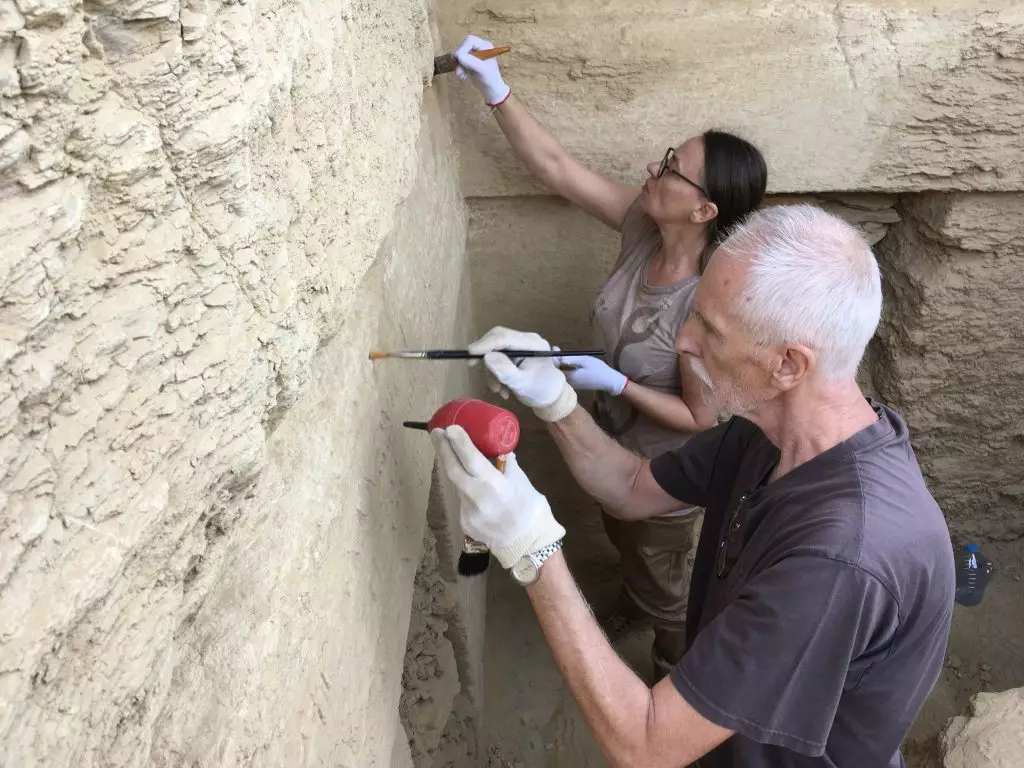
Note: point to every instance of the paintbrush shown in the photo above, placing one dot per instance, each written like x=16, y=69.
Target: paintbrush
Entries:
x=461, y=354
x=448, y=63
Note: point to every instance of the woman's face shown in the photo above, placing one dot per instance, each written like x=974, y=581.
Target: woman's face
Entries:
x=671, y=198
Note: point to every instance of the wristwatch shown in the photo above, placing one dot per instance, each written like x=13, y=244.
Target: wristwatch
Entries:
x=527, y=568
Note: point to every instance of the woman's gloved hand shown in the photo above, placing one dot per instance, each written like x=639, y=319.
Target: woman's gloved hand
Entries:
x=592, y=373
x=486, y=75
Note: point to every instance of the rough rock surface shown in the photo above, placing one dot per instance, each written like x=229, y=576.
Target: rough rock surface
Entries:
x=862, y=95
x=948, y=352
x=991, y=735
x=555, y=258
x=430, y=680
x=210, y=514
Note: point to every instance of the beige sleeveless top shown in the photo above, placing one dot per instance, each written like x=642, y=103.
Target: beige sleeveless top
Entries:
x=636, y=324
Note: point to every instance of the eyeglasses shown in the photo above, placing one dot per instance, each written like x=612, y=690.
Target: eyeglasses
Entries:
x=669, y=154
x=731, y=544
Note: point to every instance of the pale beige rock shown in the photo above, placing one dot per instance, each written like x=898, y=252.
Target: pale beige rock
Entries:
x=991, y=735
x=855, y=95
x=948, y=352
x=211, y=516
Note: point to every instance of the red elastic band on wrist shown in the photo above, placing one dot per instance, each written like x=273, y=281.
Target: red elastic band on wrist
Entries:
x=495, y=106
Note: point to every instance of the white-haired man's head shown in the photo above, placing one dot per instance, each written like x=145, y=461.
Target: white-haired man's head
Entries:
x=793, y=295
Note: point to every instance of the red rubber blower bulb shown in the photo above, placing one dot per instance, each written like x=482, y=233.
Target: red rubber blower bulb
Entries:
x=493, y=430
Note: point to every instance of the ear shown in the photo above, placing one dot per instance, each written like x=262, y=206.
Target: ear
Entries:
x=793, y=366
x=704, y=213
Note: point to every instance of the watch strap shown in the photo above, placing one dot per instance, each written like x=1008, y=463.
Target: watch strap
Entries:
x=541, y=555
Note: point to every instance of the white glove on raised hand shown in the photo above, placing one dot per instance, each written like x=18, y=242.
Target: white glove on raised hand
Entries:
x=485, y=74
x=591, y=373
x=502, y=510
x=535, y=382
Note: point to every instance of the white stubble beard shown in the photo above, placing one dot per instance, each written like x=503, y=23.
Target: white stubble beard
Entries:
x=726, y=399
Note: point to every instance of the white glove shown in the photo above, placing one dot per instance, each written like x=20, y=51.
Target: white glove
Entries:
x=485, y=74
x=503, y=511
x=535, y=382
x=591, y=373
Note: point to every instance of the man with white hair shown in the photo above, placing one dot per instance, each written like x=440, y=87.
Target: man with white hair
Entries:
x=822, y=591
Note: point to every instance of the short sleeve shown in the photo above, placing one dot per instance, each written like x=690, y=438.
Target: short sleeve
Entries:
x=688, y=472
x=640, y=235
x=773, y=665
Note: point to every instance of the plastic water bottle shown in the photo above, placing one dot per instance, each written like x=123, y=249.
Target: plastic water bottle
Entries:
x=972, y=574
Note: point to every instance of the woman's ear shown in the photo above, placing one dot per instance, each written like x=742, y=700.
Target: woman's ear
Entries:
x=704, y=213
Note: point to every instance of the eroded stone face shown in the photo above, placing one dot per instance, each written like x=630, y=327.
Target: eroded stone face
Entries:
x=948, y=352
x=841, y=96
x=990, y=735
x=210, y=514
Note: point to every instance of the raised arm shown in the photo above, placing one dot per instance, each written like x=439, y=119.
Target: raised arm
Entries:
x=539, y=151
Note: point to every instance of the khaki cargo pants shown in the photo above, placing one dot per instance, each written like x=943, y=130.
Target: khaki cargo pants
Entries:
x=657, y=558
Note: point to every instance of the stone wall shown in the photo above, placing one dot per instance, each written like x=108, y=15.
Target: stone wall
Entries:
x=948, y=352
x=211, y=516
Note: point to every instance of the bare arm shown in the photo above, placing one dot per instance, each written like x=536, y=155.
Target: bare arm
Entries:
x=634, y=725
x=697, y=396
x=619, y=480
x=548, y=160
x=690, y=412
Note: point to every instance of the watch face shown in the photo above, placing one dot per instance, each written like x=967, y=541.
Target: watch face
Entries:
x=525, y=571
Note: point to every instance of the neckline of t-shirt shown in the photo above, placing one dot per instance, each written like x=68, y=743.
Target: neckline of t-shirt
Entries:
x=671, y=287
x=881, y=430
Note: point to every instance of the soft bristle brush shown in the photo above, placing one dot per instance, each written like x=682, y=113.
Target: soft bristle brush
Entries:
x=461, y=354
x=447, y=62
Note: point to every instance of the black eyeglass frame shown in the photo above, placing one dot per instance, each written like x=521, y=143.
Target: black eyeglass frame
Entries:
x=669, y=154
x=730, y=545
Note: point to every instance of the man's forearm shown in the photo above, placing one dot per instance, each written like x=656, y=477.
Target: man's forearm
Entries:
x=634, y=725
x=602, y=467
x=613, y=699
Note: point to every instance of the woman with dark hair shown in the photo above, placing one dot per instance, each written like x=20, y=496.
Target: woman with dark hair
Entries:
x=646, y=398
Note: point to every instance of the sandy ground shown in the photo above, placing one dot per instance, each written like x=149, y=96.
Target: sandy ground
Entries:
x=530, y=719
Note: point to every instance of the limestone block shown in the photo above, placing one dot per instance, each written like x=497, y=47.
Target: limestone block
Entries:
x=948, y=351
x=991, y=735
x=430, y=680
x=856, y=95
x=538, y=262
x=210, y=515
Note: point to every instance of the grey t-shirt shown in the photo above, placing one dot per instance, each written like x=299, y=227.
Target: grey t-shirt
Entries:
x=820, y=603
x=636, y=323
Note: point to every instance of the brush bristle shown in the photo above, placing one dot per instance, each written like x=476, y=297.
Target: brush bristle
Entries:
x=473, y=563
x=378, y=355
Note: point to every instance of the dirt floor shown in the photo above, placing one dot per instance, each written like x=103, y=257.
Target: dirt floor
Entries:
x=530, y=719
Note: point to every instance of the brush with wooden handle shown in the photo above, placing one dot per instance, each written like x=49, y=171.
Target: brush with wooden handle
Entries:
x=448, y=63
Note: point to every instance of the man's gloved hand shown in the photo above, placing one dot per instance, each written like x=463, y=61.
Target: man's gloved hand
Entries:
x=485, y=74
x=591, y=373
x=502, y=510
x=535, y=382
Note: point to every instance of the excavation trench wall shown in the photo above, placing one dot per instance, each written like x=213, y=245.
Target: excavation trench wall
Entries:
x=211, y=516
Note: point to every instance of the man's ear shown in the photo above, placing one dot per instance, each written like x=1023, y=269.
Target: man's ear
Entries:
x=793, y=366
x=704, y=212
